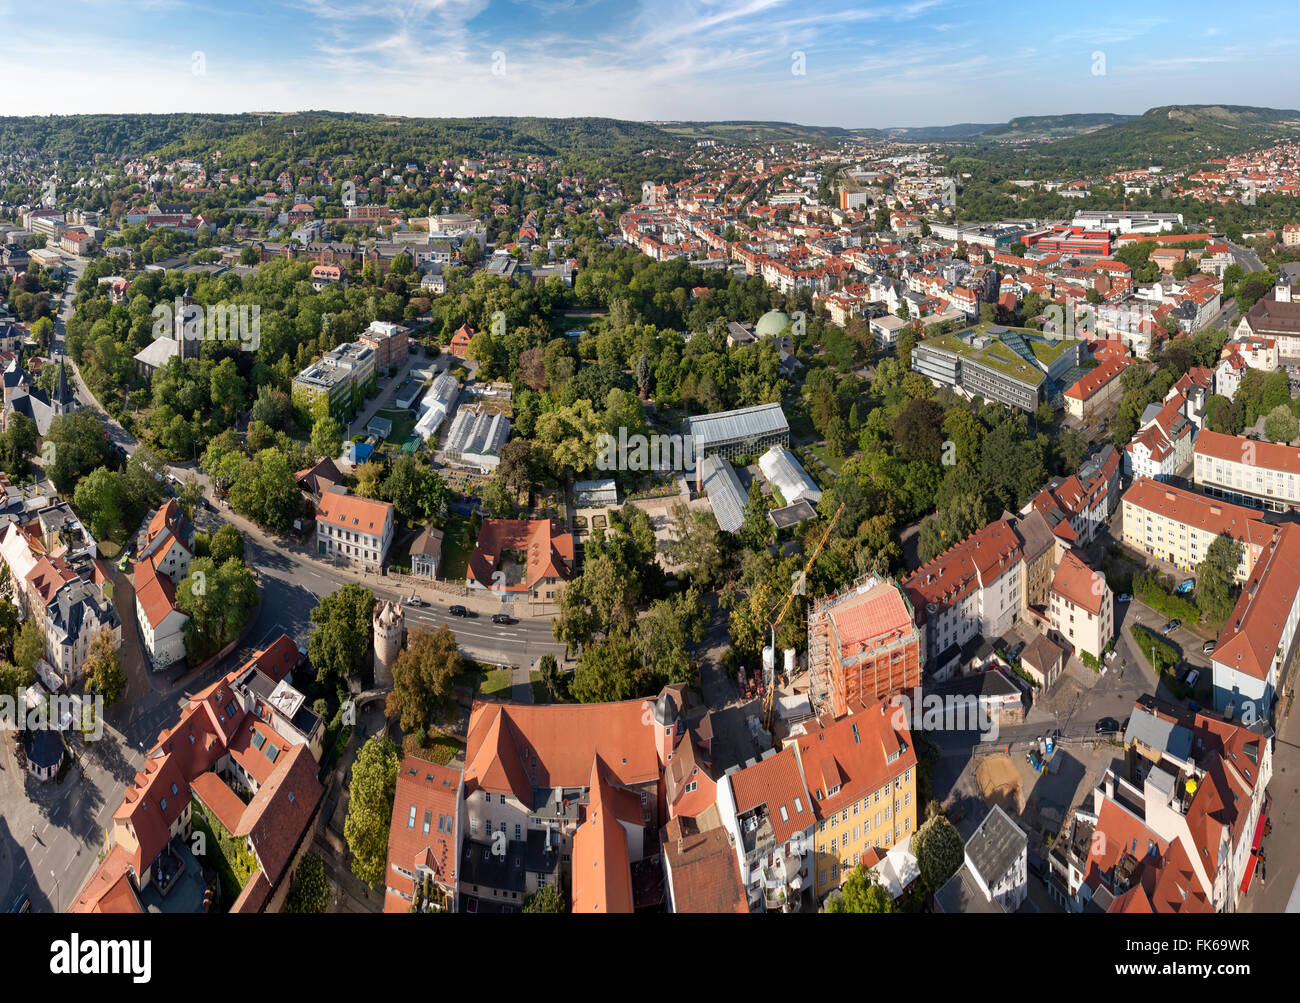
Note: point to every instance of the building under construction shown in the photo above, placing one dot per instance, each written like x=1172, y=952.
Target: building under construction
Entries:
x=863, y=644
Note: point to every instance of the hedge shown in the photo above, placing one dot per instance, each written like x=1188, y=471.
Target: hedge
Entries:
x=1160, y=654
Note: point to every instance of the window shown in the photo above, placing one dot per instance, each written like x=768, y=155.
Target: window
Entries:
x=410, y=819
x=518, y=832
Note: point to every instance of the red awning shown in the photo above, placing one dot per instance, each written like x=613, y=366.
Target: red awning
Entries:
x=1259, y=831
x=1250, y=873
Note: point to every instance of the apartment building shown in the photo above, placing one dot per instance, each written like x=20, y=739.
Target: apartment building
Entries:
x=1263, y=474
x=1178, y=526
x=353, y=529
x=768, y=815
x=423, y=854
x=342, y=376
x=974, y=587
x=224, y=758
x=1164, y=443
x=1079, y=506
x=1257, y=639
x=62, y=592
x=561, y=784
x=863, y=644
x=163, y=558
x=860, y=768
x=1175, y=828
x=389, y=342
x=1096, y=390
x=1081, y=606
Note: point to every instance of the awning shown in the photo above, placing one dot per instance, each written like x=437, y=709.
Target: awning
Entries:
x=1259, y=830
x=1250, y=872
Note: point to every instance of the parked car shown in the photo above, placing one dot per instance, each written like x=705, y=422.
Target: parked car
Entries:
x=504, y=618
x=414, y=601
x=1193, y=706
x=1185, y=586
x=458, y=611
x=1107, y=725
x=1125, y=598
x=1189, y=676
x=1171, y=626
x=1208, y=647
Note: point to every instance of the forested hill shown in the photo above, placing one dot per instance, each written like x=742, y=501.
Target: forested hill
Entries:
x=323, y=136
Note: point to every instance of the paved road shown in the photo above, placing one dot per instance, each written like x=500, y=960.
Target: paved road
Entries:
x=1245, y=257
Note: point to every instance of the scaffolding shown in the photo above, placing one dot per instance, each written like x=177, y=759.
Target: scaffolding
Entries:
x=842, y=672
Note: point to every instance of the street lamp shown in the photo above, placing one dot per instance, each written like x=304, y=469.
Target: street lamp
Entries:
x=56, y=889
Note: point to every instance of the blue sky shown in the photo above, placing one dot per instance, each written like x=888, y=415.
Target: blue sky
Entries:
x=914, y=62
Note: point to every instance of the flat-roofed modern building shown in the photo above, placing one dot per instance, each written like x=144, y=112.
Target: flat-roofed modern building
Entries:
x=1009, y=365
x=342, y=375
x=742, y=432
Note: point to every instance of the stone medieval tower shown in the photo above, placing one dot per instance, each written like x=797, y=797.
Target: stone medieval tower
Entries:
x=389, y=628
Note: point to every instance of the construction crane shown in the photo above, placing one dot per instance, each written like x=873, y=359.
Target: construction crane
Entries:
x=796, y=588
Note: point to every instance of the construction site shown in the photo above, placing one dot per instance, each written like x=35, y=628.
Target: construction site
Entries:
x=863, y=644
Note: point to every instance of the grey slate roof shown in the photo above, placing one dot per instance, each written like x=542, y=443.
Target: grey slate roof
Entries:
x=995, y=846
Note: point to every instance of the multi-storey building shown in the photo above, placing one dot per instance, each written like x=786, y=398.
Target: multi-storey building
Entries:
x=356, y=530
x=342, y=376
x=1176, y=826
x=972, y=588
x=1178, y=526
x=388, y=341
x=1082, y=607
x=768, y=815
x=424, y=838
x=1263, y=474
x=1257, y=640
x=863, y=644
x=860, y=769
x=1017, y=368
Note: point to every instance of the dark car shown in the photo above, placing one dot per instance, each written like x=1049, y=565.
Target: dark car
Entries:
x=458, y=611
x=1107, y=724
x=504, y=618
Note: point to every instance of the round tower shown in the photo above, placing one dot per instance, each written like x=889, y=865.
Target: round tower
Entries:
x=389, y=626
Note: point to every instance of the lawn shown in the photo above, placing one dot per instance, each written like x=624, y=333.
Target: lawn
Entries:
x=455, y=556
x=227, y=855
x=823, y=453
x=540, y=693
x=486, y=679
x=497, y=683
x=402, y=421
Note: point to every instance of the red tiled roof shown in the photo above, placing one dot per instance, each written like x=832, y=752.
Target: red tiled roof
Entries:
x=353, y=513
x=505, y=738
x=775, y=782
x=704, y=873
x=434, y=793
x=1251, y=637
x=546, y=544
x=852, y=752
x=602, y=871
x=1079, y=583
